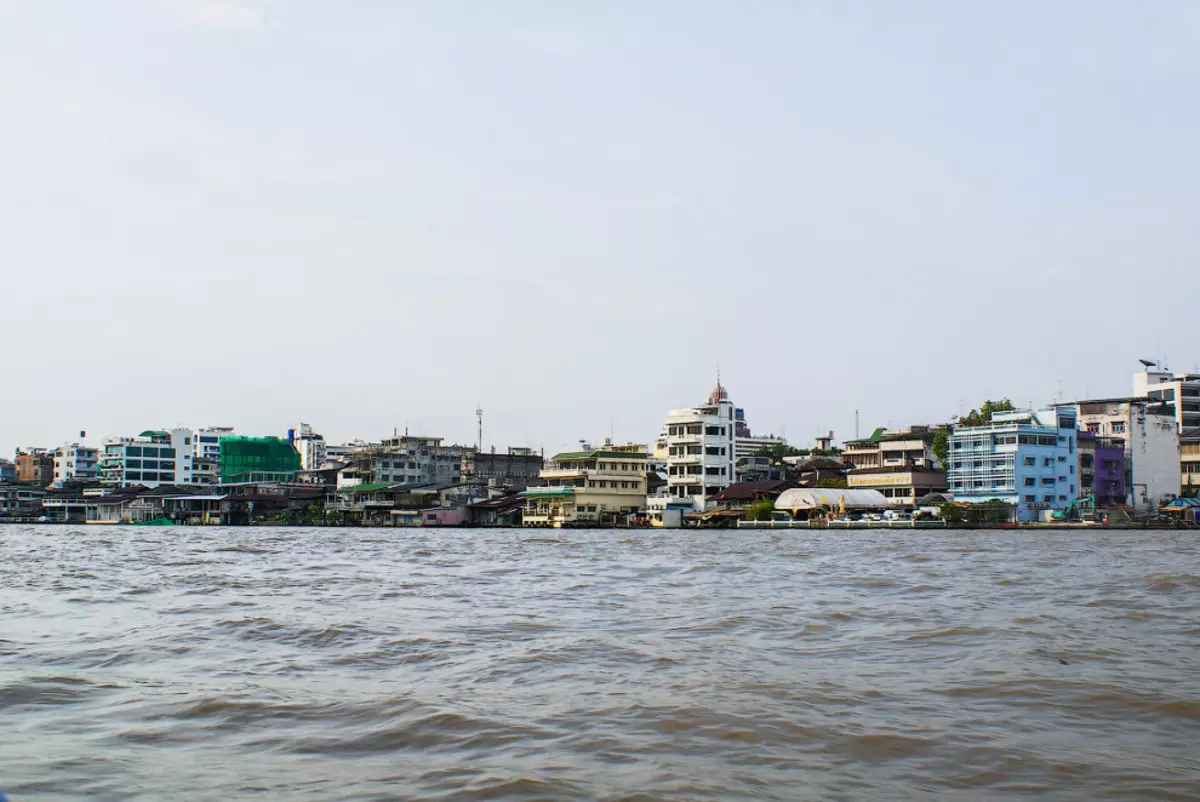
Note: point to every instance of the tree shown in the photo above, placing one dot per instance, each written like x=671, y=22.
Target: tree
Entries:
x=941, y=446
x=760, y=510
x=826, y=452
x=780, y=450
x=983, y=415
x=952, y=514
x=833, y=481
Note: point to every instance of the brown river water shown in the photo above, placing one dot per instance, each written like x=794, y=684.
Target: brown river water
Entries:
x=357, y=664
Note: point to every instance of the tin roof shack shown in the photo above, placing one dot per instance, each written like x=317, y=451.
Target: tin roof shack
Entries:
x=732, y=504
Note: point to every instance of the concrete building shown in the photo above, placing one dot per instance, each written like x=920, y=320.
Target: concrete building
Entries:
x=8, y=471
x=700, y=441
x=899, y=463
x=1180, y=392
x=1101, y=469
x=76, y=462
x=590, y=486
x=1148, y=434
x=310, y=446
x=206, y=458
x=153, y=458
x=515, y=469
x=1189, y=462
x=408, y=460
x=35, y=466
x=1025, y=458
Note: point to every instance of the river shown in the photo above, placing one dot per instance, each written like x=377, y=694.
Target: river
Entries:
x=357, y=664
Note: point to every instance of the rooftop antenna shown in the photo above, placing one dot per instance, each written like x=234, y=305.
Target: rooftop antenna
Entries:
x=856, y=424
x=479, y=416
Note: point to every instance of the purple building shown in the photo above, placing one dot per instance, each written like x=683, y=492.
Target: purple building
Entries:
x=1102, y=469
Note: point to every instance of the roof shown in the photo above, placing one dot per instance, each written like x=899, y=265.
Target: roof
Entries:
x=369, y=487
x=748, y=491
x=605, y=454
x=1190, y=435
x=808, y=498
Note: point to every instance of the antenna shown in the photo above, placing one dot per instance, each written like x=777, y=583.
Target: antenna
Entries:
x=479, y=416
x=856, y=424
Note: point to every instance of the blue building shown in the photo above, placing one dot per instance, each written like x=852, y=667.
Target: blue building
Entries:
x=1025, y=458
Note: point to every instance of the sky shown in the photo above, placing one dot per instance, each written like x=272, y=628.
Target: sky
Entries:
x=378, y=215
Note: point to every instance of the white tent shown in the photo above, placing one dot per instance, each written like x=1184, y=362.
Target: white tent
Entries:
x=813, y=498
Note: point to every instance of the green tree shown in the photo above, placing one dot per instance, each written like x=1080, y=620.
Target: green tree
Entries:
x=983, y=415
x=780, y=450
x=826, y=452
x=760, y=510
x=833, y=482
x=941, y=446
x=952, y=514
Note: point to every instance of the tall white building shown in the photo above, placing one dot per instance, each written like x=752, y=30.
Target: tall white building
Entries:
x=206, y=462
x=1148, y=432
x=151, y=459
x=1180, y=391
x=75, y=462
x=700, y=445
x=310, y=445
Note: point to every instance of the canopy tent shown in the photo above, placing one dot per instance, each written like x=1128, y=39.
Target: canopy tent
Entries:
x=830, y=498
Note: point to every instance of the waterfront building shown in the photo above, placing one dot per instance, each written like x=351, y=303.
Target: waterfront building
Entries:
x=206, y=457
x=515, y=469
x=309, y=445
x=589, y=486
x=22, y=501
x=1101, y=468
x=1180, y=392
x=700, y=442
x=1148, y=435
x=75, y=462
x=35, y=466
x=257, y=460
x=1189, y=462
x=899, y=463
x=8, y=471
x=1025, y=458
x=409, y=460
x=153, y=458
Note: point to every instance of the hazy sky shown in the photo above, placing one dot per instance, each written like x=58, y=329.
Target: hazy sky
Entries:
x=374, y=214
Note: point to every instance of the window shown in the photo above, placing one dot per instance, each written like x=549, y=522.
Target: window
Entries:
x=1048, y=499
x=1031, y=498
x=1062, y=459
x=1029, y=460
x=1047, y=462
x=1030, y=481
x=1118, y=427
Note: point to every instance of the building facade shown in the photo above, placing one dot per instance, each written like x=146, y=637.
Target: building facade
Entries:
x=310, y=445
x=899, y=463
x=1101, y=469
x=1025, y=458
x=1180, y=392
x=1148, y=434
x=35, y=466
x=153, y=458
x=75, y=462
x=590, y=486
x=206, y=457
x=701, y=450
x=516, y=469
x=8, y=471
x=1189, y=462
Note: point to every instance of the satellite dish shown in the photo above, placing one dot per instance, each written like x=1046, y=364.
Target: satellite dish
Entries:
x=1148, y=363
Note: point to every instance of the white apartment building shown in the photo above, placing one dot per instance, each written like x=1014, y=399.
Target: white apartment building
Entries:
x=1179, y=391
x=1151, y=438
x=310, y=445
x=151, y=459
x=700, y=444
x=206, y=462
x=75, y=462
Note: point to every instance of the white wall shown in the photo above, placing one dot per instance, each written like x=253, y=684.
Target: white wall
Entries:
x=1153, y=448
